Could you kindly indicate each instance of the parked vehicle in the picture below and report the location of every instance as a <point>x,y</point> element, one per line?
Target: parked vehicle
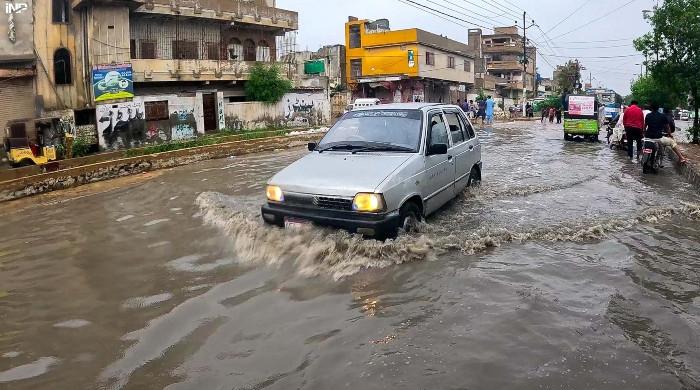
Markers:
<point>652,155</point>
<point>26,144</point>
<point>685,115</point>
<point>378,170</point>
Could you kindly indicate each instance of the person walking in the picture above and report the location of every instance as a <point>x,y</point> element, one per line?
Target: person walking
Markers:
<point>558,114</point>
<point>490,104</point>
<point>544,114</point>
<point>551,114</point>
<point>633,120</point>
<point>482,111</point>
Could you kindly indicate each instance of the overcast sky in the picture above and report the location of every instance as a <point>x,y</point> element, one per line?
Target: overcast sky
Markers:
<point>580,36</point>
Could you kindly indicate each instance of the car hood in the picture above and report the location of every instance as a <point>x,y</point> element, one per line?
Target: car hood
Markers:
<point>338,173</point>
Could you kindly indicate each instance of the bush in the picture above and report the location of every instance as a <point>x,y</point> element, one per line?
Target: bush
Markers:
<point>80,148</point>
<point>266,84</point>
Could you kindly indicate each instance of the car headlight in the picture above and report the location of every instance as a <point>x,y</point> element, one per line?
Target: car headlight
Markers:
<point>275,194</point>
<point>368,202</point>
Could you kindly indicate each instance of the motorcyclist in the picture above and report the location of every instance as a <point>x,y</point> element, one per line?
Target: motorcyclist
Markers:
<point>657,127</point>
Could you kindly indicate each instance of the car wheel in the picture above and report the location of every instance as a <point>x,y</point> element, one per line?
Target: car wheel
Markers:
<point>474,178</point>
<point>410,217</point>
<point>567,137</point>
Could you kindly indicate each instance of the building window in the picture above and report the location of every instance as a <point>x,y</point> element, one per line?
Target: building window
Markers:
<point>62,67</point>
<point>148,49</point>
<point>355,69</point>
<point>234,50</point>
<point>132,48</point>
<point>213,50</point>
<point>429,58</point>
<point>451,62</point>
<point>185,50</point>
<point>263,52</point>
<point>248,50</point>
<point>355,36</point>
<point>467,66</point>
<point>60,11</point>
<point>156,111</point>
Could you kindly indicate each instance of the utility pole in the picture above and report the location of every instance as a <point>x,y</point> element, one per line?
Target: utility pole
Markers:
<point>524,64</point>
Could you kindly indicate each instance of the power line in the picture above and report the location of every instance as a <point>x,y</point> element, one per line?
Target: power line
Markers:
<point>457,11</point>
<point>491,18</point>
<point>503,8</point>
<point>596,19</point>
<point>432,13</point>
<point>445,14</point>
<point>567,17</point>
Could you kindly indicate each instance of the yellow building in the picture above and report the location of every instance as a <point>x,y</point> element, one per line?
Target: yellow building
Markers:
<point>405,65</point>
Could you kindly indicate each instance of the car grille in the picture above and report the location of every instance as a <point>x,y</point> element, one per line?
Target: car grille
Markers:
<point>333,203</point>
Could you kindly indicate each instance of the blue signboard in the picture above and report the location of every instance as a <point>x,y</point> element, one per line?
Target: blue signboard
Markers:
<point>110,82</point>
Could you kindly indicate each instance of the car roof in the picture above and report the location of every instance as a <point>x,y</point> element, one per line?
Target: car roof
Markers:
<point>408,106</point>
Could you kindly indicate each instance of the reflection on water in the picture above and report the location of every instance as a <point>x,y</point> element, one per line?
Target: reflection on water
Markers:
<point>566,269</point>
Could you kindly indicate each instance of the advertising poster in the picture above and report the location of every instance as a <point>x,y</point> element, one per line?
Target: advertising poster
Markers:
<point>582,105</point>
<point>110,82</point>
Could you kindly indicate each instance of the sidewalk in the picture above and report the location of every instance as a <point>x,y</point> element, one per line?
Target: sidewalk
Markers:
<point>692,169</point>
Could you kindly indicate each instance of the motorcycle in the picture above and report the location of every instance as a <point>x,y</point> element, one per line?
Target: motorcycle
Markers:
<point>617,139</point>
<point>652,155</point>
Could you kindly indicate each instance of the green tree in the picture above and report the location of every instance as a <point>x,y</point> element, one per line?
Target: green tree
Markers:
<point>648,89</point>
<point>675,41</point>
<point>568,76</point>
<point>266,84</point>
<point>552,101</point>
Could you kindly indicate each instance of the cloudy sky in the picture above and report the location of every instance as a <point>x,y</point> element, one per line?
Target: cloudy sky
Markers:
<point>598,32</point>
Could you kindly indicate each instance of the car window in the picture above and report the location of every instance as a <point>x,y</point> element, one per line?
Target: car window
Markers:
<point>455,126</point>
<point>469,130</point>
<point>362,128</point>
<point>438,130</point>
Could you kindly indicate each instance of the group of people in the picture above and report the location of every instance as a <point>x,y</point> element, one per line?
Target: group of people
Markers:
<point>481,108</point>
<point>650,124</point>
<point>552,113</point>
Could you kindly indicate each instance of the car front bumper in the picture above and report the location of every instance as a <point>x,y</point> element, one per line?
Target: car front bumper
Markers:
<point>368,224</point>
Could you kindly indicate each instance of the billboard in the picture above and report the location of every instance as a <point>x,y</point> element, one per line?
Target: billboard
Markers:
<point>110,82</point>
<point>582,106</point>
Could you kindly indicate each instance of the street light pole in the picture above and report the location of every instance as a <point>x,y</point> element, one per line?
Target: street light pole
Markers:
<point>524,64</point>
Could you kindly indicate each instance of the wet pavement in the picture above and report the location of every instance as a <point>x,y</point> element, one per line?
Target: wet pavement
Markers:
<point>568,269</point>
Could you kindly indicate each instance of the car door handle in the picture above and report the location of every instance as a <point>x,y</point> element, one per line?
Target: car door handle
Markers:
<point>449,158</point>
<point>471,147</point>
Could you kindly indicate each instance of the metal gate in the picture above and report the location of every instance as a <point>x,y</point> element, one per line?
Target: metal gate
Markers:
<point>211,122</point>
<point>16,101</point>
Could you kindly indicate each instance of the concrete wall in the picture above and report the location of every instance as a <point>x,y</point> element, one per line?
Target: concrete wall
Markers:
<point>295,109</point>
<point>17,18</point>
<point>440,70</point>
<point>125,125</point>
<point>109,30</point>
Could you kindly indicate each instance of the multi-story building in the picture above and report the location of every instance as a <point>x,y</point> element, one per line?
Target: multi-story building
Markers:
<point>503,56</point>
<point>132,72</point>
<point>405,65</point>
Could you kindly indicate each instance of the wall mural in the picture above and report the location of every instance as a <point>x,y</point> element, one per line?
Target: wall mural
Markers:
<point>121,125</point>
<point>306,109</point>
<point>183,124</point>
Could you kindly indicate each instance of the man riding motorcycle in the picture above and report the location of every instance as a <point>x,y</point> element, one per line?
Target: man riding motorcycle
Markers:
<point>657,128</point>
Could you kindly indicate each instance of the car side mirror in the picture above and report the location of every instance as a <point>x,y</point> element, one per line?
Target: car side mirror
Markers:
<point>311,146</point>
<point>437,149</point>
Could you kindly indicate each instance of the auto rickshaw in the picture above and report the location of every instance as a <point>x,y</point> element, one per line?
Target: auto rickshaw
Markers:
<point>26,142</point>
<point>583,116</point>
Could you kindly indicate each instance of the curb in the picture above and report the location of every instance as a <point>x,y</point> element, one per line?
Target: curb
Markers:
<point>690,170</point>
<point>85,174</point>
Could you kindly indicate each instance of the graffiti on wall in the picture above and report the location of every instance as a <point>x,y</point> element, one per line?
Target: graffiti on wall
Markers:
<point>305,109</point>
<point>121,125</point>
<point>220,110</point>
<point>183,124</point>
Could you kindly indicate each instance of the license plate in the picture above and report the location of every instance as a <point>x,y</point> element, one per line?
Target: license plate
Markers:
<point>650,151</point>
<point>296,223</point>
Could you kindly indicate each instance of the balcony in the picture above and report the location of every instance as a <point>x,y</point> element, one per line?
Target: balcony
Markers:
<point>509,84</point>
<point>233,10</point>
<point>502,48</point>
<point>159,70</point>
<point>504,65</point>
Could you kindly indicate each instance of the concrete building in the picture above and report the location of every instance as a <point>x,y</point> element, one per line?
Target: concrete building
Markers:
<point>500,55</point>
<point>126,73</point>
<point>405,65</point>
<point>328,63</point>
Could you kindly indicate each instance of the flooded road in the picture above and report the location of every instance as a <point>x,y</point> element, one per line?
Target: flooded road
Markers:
<point>568,269</point>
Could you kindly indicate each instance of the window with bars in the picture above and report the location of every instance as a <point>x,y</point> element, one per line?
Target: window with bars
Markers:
<point>213,51</point>
<point>235,50</point>
<point>467,66</point>
<point>355,36</point>
<point>156,111</point>
<point>429,58</point>
<point>451,62</point>
<point>185,50</point>
<point>263,52</point>
<point>60,12</point>
<point>148,49</point>
<point>355,69</point>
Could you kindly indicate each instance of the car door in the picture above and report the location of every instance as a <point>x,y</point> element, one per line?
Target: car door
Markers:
<point>439,176</point>
<point>460,150</point>
<point>473,144</point>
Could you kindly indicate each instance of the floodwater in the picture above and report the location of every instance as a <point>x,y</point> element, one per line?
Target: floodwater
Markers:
<point>567,269</point>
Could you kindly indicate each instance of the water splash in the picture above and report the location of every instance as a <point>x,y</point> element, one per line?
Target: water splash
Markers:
<point>321,251</point>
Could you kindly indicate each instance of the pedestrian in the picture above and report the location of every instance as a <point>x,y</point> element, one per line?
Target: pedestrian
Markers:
<point>552,113</point>
<point>558,114</point>
<point>482,111</point>
<point>490,104</point>
<point>465,107</point>
<point>544,114</point>
<point>671,120</point>
<point>633,120</point>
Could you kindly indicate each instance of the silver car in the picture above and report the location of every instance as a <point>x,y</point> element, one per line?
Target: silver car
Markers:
<point>378,170</point>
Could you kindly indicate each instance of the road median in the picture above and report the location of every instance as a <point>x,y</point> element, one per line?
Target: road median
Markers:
<point>144,162</point>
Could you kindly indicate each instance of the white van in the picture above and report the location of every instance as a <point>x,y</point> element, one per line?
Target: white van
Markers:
<point>685,115</point>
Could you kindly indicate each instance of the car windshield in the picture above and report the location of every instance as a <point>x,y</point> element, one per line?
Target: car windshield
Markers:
<point>374,130</point>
